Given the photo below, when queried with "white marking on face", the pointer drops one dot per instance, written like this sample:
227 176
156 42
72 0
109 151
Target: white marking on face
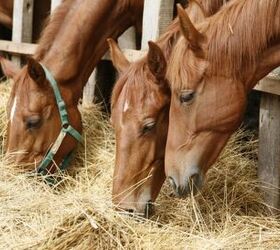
126 106
13 110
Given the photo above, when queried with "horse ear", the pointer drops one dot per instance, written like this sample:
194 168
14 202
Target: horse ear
36 71
193 36
156 61
119 60
9 69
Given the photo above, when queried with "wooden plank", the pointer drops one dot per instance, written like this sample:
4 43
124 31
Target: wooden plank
158 14
269 148
54 4
268 85
17 48
29 49
22 22
88 92
128 39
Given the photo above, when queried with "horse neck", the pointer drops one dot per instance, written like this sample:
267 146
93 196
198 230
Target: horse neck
6 13
75 38
243 33
7 7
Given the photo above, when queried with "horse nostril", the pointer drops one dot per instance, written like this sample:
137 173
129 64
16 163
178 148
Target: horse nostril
172 183
149 209
194 183
131 211
194 178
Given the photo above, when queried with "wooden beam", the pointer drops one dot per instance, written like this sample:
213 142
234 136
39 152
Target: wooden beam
30 48
269 85
158 14
17 48
128 39
88 92
269 149
22 23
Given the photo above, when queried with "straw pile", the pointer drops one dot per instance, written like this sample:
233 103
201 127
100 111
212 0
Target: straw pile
78 214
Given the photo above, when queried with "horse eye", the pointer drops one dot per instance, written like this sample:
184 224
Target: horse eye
33 122
187 96
148 126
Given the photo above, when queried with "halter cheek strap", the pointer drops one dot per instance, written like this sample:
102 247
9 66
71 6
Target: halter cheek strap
66 128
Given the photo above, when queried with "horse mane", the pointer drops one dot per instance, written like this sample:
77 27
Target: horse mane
51 28
238 34
241 31
132 82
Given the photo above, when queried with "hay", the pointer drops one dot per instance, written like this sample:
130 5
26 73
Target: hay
78 214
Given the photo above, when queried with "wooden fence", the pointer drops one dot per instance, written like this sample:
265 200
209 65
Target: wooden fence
157 15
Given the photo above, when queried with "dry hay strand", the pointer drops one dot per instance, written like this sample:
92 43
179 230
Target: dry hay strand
229 213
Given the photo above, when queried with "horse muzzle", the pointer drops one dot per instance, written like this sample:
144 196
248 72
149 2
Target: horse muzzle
191 184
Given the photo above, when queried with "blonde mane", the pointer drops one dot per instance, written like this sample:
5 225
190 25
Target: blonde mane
241 31
237 36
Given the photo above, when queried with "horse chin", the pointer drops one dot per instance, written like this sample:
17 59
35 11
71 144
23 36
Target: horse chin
136 207
145 212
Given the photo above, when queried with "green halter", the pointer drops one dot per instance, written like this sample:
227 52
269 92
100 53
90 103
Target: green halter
66 128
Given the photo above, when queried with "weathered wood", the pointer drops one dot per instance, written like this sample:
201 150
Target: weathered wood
22 22
158 14
29 49
269 86
88 92
128 39
269 148
54 4
17 48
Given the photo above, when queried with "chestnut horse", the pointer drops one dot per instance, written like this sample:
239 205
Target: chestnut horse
42 109
140 106
212 68
6 13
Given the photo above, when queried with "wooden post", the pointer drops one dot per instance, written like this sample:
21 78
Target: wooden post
269 148
158 14
128 39
54 4
88 92
22 23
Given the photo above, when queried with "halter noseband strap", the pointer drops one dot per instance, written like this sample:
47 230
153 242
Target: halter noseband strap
66 128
